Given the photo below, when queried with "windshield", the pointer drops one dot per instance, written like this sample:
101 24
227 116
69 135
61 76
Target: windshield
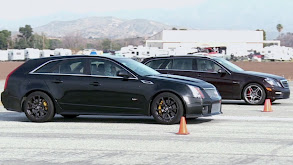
232 67
137 67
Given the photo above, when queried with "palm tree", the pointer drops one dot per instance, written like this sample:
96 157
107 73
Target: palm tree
279 28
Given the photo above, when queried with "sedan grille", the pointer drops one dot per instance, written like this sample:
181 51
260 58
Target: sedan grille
212 92
284 83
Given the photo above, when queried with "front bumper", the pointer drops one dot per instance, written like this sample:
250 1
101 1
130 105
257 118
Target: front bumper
278 93
199 108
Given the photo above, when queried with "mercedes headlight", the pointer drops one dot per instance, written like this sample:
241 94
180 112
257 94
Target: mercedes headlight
196 92
272 82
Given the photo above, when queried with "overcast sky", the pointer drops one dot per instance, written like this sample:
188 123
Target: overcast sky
196 14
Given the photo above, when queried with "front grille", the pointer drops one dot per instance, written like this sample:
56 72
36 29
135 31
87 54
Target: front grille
212 92
284 83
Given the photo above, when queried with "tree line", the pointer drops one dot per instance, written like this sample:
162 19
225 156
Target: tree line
26 38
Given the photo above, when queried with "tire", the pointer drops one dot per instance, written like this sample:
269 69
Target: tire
167 108
254 94
38 107
69 116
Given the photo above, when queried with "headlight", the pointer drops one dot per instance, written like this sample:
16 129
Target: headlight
272 82
196 92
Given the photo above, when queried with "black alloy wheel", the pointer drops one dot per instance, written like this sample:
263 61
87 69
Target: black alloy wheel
38 107
167 108
254 94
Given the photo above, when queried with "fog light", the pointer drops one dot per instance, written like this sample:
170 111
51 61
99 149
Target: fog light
269 89
278 93
205 109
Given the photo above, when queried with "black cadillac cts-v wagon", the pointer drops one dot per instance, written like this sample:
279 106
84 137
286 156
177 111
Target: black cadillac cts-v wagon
91 85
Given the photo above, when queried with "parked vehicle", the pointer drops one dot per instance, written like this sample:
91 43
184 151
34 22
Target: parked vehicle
46 53
30 53
278 53
86 85
231 81
62 52
3 55
16 54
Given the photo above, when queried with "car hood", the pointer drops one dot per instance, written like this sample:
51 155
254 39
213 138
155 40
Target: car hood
183 79
263 75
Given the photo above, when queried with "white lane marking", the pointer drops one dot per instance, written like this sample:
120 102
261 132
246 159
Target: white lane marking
250 118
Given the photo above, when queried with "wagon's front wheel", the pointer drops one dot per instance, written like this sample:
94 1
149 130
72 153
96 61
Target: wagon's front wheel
167 108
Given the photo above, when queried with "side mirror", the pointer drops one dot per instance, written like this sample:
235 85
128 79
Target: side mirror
222 71
123 74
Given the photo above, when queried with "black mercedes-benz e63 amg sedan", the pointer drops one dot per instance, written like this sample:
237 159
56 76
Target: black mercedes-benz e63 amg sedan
93 85
231 81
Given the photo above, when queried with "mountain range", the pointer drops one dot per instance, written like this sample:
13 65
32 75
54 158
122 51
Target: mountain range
103 27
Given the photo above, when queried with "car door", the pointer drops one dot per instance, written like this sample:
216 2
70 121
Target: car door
178 66
66 81
209 71
109 93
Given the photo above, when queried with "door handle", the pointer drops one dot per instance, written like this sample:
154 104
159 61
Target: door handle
57 81
198 75
95 84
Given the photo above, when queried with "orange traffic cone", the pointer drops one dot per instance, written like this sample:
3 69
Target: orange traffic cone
268 106
183 128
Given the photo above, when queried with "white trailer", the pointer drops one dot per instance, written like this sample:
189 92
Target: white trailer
16 54
281 53
46 53
3 55
141 52
31 53
92 52
62 52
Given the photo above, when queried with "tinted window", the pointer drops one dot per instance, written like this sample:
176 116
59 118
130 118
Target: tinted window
104 67
207 65
137 67
182 64
158 64
72 66
48 67
75 66
228 64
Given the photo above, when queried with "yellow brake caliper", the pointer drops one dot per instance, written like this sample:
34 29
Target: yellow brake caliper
160 107
45 105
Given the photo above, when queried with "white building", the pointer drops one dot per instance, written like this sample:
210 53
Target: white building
237 42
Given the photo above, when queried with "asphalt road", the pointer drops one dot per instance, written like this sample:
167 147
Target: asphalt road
242 135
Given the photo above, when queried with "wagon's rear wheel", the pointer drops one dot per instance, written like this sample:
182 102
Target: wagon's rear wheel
38 107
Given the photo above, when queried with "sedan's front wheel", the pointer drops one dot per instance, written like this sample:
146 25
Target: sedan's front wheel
167 108
38 107
254 94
